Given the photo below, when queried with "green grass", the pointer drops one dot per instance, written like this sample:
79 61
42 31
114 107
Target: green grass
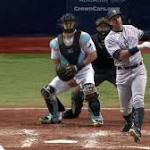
23 75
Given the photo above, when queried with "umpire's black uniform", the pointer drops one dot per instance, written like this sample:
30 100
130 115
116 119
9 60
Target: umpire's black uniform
104 64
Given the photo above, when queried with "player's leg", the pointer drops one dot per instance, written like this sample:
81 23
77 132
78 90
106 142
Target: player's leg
55 107
138 92
124 92
77 98
76 104
91 96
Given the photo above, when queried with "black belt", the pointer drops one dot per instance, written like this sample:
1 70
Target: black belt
130 67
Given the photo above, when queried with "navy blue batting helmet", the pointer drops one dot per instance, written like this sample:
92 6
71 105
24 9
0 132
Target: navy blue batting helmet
113 12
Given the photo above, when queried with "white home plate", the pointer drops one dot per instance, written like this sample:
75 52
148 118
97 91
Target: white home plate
1 147
60 141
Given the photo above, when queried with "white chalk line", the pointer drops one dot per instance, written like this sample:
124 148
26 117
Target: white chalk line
38 108
91 140
121 147
31 137
1 147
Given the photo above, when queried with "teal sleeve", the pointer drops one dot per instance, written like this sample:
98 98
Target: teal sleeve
54 44
84 38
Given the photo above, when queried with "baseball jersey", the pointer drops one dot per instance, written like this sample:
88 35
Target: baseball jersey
86 46
127 38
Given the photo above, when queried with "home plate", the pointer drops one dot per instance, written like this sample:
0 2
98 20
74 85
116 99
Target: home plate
60 141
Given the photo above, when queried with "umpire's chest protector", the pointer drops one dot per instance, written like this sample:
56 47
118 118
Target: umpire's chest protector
70 53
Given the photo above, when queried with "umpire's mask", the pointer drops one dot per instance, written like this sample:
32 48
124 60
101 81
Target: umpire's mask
102 26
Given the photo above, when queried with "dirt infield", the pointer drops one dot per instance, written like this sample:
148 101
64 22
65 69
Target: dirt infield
21 130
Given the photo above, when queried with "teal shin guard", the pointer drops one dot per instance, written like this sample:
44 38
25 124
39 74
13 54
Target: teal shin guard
94 106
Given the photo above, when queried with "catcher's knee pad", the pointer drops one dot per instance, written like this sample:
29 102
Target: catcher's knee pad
48 92
90 92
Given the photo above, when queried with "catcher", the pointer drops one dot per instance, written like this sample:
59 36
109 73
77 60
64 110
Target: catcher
103 66
72 52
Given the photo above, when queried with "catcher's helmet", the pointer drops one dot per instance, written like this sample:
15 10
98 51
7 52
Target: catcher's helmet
68 17
113 12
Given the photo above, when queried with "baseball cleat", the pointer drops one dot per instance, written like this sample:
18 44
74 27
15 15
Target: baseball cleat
97 121
49 119
69 115
135 133
126 128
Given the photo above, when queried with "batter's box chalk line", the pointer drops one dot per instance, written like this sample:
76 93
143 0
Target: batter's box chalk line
1 147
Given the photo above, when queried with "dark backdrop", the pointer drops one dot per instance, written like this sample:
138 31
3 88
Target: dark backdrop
39 17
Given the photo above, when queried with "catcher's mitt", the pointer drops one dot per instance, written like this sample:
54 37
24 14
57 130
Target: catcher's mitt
66 72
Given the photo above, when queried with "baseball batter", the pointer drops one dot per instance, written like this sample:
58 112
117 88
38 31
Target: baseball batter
75 48
123 45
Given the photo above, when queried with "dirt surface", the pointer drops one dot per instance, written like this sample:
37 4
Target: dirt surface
21 130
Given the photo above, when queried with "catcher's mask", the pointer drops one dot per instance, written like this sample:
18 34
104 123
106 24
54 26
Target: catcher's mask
68 23
102 26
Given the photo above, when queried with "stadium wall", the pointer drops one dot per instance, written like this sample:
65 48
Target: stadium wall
28 25
39 18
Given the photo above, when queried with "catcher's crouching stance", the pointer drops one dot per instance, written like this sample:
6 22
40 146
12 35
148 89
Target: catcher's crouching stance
72 52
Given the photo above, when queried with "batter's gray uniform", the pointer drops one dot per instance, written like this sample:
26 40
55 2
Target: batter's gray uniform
131 82
131 74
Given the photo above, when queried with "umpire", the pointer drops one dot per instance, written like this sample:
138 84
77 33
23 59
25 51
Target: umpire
103 66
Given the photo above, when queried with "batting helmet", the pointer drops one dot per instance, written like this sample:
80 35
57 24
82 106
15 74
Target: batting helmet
113 12
66 18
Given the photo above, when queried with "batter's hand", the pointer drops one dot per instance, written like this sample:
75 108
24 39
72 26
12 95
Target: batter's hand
144 45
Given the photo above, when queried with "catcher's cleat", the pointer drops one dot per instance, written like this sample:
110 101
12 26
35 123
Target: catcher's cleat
97 121
126 128
69 115
135 133
50 120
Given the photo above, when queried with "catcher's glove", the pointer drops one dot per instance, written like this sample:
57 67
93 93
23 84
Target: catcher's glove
66 72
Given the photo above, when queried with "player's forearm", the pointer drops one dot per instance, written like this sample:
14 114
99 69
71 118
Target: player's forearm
124 55
90 58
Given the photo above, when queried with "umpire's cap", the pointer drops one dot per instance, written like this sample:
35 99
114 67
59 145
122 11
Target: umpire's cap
102 20
67 17
113 12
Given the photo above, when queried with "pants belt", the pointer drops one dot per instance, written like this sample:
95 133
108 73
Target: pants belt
130 67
